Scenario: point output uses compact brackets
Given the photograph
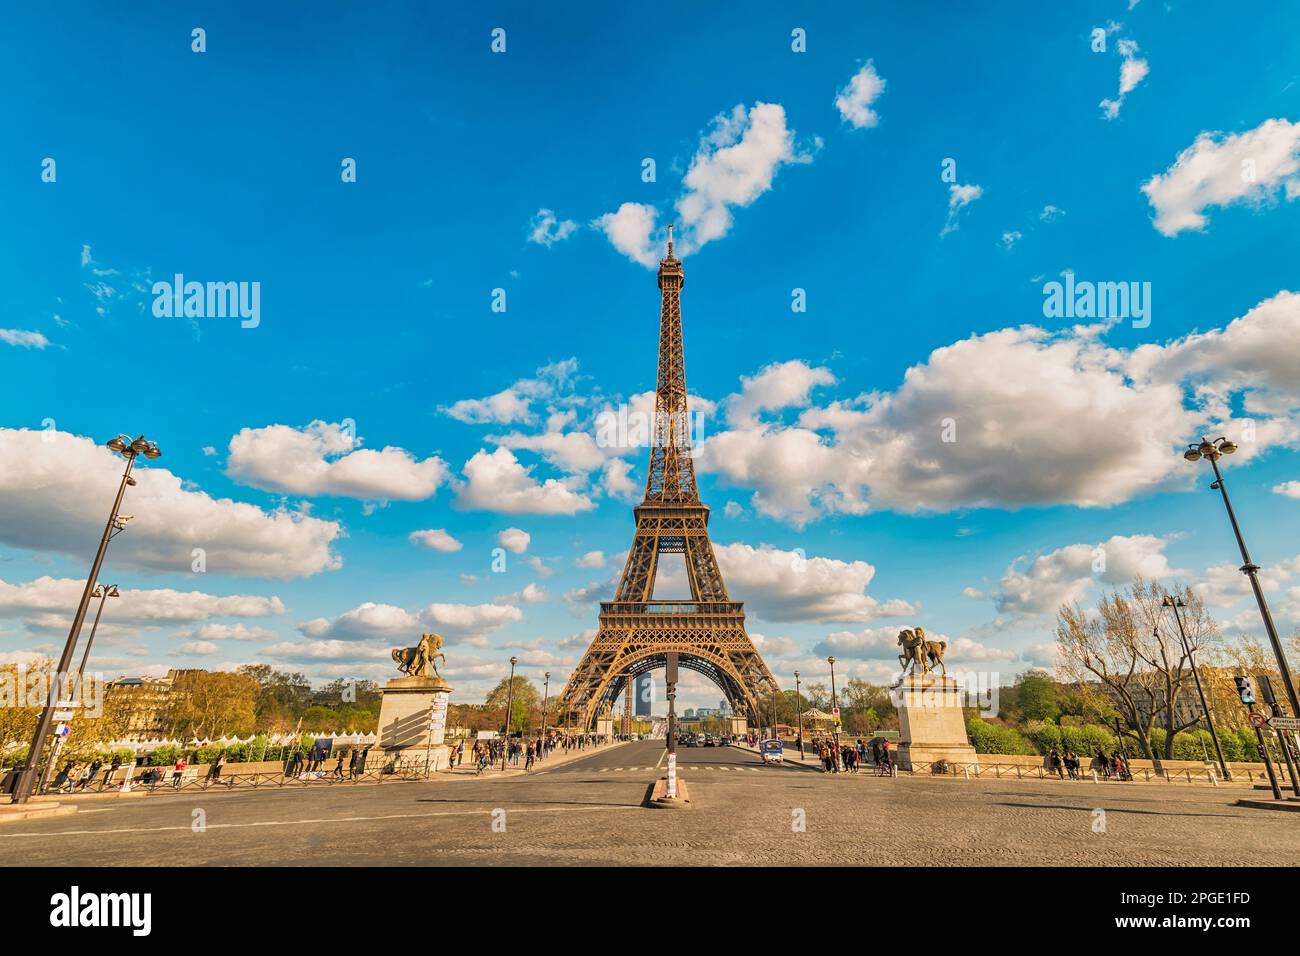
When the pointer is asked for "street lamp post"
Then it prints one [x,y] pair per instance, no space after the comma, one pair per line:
[835,708]
[798,703]
[775,735]
[510,703]
[1212,451]
[129,450]
[1175,603]
[546,694]
[103,593]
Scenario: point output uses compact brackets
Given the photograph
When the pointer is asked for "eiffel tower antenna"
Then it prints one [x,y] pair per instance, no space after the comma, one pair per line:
[636,630]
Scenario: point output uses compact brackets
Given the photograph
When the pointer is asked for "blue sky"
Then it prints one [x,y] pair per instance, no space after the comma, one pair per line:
[840,513]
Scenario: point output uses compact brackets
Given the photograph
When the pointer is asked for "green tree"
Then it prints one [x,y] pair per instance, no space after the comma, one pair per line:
[525,700]
[1036,696]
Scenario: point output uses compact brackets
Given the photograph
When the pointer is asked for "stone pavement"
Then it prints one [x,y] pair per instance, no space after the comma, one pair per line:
[591,813]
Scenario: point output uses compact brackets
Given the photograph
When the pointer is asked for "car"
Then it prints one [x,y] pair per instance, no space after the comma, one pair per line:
[709,741]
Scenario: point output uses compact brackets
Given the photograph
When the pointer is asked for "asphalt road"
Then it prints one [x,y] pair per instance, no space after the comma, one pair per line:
[648,759]
[590,811]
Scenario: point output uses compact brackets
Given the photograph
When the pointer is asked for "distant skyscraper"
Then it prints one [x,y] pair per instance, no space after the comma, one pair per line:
[645,694]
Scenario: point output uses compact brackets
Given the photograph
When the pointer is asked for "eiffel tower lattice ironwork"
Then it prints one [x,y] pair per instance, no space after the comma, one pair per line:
[636,631]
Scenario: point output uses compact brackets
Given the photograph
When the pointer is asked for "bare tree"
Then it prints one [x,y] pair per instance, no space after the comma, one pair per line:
[1125,655]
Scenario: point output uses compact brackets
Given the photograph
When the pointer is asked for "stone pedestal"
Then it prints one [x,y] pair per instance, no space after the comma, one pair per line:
[931,722]
[738,726]
[412,721]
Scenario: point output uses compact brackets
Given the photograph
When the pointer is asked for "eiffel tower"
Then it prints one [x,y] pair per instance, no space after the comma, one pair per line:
[636,631]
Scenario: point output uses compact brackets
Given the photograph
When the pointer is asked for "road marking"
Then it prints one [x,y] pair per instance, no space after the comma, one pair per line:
[294,823]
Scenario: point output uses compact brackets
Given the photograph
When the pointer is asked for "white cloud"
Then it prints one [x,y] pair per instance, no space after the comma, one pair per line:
[785,586]
[616,480]
[1291,489]
[629,230]
[141,606]
[735,163]
[1025,416]
[27,340]
[1065,575]
[592,559]
[547,230]
[458,623]
[514,540]
[1132,71]
[776,386]
[531,594]
[514,404]
[436,539]
[498,482]
[324,458]
[574,452]
[1218,170]
[229,632]
[1010,238]
[959,197]
[47,479]
[855,99]
[200,648]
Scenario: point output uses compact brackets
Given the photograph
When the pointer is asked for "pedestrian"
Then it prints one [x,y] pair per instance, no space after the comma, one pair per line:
[178,771]
[112,768]
[61,780]
[361,764]
[352,765]
[338,767]
[528,763]
[214,771]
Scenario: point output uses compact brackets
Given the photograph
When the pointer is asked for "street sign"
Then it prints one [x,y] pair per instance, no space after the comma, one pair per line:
[835,711]
[63,715]
[1284,723]
[1257,720]
[61,730]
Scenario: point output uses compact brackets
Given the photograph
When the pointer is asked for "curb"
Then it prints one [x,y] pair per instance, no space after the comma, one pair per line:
[25,811]
[656,796]
[1288,804]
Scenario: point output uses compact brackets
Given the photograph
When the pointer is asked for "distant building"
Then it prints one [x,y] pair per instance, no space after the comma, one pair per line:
[145,702]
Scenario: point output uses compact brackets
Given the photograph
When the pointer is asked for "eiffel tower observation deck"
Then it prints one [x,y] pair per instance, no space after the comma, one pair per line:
[636,630]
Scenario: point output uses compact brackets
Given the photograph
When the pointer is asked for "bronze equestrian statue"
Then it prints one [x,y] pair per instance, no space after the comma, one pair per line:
[924,655]
[418,661]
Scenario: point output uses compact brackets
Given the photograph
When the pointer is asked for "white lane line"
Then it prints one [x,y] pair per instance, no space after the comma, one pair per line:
[295,823]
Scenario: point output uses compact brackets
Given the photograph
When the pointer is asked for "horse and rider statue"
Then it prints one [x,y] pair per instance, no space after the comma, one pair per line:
[922,653]
[418,661]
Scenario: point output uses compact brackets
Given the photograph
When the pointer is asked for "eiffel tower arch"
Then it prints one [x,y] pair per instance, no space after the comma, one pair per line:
[636,631]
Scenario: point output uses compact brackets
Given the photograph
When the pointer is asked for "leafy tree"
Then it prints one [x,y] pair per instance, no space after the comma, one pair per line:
[213,704]
[1036,696]
[525,700]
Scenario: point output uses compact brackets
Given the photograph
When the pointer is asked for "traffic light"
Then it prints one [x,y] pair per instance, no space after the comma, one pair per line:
[1266,690]
[1245,690]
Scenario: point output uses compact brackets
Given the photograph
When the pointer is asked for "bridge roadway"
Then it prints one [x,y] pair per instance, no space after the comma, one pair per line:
[589,811]
[645,758]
